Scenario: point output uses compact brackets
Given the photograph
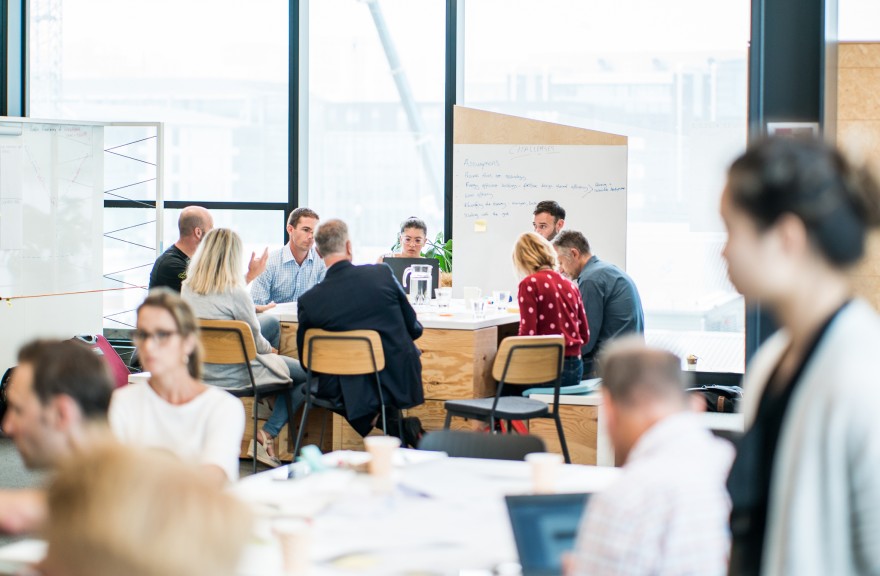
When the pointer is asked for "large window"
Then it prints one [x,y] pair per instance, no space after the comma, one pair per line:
[374,101]
[216,73]
[672,76]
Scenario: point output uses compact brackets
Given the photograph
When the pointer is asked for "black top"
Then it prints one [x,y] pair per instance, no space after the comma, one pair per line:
[752,470]
[169,269]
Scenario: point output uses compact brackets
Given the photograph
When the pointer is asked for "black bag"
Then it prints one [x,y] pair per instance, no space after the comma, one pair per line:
[720,398]
[4,382]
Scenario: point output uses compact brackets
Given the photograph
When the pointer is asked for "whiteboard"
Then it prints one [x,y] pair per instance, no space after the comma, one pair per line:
[495,188]
[51,206]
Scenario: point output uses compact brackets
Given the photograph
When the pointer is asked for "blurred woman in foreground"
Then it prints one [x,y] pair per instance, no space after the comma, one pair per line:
[805,486]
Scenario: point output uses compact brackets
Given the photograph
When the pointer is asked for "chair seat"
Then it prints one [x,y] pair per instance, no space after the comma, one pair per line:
[262,390]
[509,408]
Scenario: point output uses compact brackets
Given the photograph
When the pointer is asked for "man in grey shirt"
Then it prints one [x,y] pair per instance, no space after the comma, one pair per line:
[611,299]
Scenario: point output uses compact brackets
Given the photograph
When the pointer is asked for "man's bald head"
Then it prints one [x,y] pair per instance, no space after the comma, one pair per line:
[194,222]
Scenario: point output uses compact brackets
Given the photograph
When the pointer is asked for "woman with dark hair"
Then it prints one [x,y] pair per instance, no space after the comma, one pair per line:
[413,237]
[805,486]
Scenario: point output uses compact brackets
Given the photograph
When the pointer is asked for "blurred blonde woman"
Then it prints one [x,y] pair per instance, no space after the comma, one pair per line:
[175,410]
[118,512]
[548,303]
[215,289]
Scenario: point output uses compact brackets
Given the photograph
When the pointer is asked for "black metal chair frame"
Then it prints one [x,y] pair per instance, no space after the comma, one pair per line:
[257,392]
[554,415]
[312,399]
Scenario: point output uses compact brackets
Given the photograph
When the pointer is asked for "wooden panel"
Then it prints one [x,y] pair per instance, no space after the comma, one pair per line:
[857,97]
[480,127]
[457,364]
[345,437]
[433,415]
[282,449]
[287,347]
[580,423]
[858,55]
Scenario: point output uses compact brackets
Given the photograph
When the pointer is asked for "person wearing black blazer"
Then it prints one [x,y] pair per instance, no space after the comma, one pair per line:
[364,297]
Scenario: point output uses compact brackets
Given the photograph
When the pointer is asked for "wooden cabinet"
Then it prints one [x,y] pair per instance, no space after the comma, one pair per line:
[581,426]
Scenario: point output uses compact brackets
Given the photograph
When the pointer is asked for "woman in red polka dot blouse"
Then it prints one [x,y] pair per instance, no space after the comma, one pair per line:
[550,304]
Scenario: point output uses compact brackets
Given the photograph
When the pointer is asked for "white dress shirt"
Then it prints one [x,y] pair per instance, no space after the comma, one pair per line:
[668,512]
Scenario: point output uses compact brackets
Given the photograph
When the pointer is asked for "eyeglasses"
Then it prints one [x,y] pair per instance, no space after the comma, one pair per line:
[408,240]
[160,337]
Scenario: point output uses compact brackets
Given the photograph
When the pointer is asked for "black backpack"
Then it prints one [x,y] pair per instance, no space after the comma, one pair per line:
[4,382]
[720,398]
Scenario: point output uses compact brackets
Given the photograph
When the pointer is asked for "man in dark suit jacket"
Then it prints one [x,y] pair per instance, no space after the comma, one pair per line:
[363,298]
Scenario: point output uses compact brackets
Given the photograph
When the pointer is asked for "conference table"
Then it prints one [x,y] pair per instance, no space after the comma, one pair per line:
[442,516]
[457,355]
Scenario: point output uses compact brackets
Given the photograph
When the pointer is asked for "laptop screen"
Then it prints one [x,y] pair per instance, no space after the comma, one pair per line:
[545,527]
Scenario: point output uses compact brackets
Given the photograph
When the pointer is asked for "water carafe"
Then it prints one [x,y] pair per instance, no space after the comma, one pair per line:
[419,283]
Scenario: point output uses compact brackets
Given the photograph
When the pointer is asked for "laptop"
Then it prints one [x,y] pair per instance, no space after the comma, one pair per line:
[545,528]
[398,265]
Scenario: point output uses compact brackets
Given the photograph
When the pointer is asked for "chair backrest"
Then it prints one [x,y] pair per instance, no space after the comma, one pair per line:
[533,359]
[481,445]
[343,353]
[227,341]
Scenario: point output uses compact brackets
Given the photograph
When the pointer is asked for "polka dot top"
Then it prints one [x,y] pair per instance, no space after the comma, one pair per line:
[550,304]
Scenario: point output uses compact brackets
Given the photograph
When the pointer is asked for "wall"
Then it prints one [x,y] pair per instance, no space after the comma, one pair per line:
[858,133]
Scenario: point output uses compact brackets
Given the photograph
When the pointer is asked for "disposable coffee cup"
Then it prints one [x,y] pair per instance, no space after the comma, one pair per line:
[545,469]
[381,450]
[295,540]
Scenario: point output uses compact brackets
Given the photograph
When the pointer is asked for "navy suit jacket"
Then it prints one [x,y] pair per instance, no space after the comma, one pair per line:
[366,298]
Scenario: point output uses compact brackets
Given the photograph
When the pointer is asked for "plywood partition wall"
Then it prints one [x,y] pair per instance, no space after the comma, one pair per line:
[504,165]
[858,134]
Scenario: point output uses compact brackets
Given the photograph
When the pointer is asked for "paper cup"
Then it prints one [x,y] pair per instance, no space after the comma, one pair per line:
[295,539]
[381,450]
[545,469]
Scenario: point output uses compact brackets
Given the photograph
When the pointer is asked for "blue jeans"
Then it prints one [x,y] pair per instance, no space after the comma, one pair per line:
[279,415]
[572,370]
[270,328]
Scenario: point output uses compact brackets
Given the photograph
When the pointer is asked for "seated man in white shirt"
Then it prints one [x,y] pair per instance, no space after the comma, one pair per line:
[57,402]
[668,512]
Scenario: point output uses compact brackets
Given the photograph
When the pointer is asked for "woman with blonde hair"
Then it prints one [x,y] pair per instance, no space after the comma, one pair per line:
[550,304]
[215,289]
[115,511]
[174,410]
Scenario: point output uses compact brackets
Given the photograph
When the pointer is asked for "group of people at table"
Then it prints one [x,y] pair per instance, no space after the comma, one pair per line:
[801,495]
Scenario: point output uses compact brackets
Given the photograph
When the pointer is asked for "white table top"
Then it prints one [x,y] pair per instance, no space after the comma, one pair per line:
[457,318]
[444,516]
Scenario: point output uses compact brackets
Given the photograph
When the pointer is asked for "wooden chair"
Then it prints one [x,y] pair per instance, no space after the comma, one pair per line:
[232,342]
[528,360]
[349,353]
[462,444]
